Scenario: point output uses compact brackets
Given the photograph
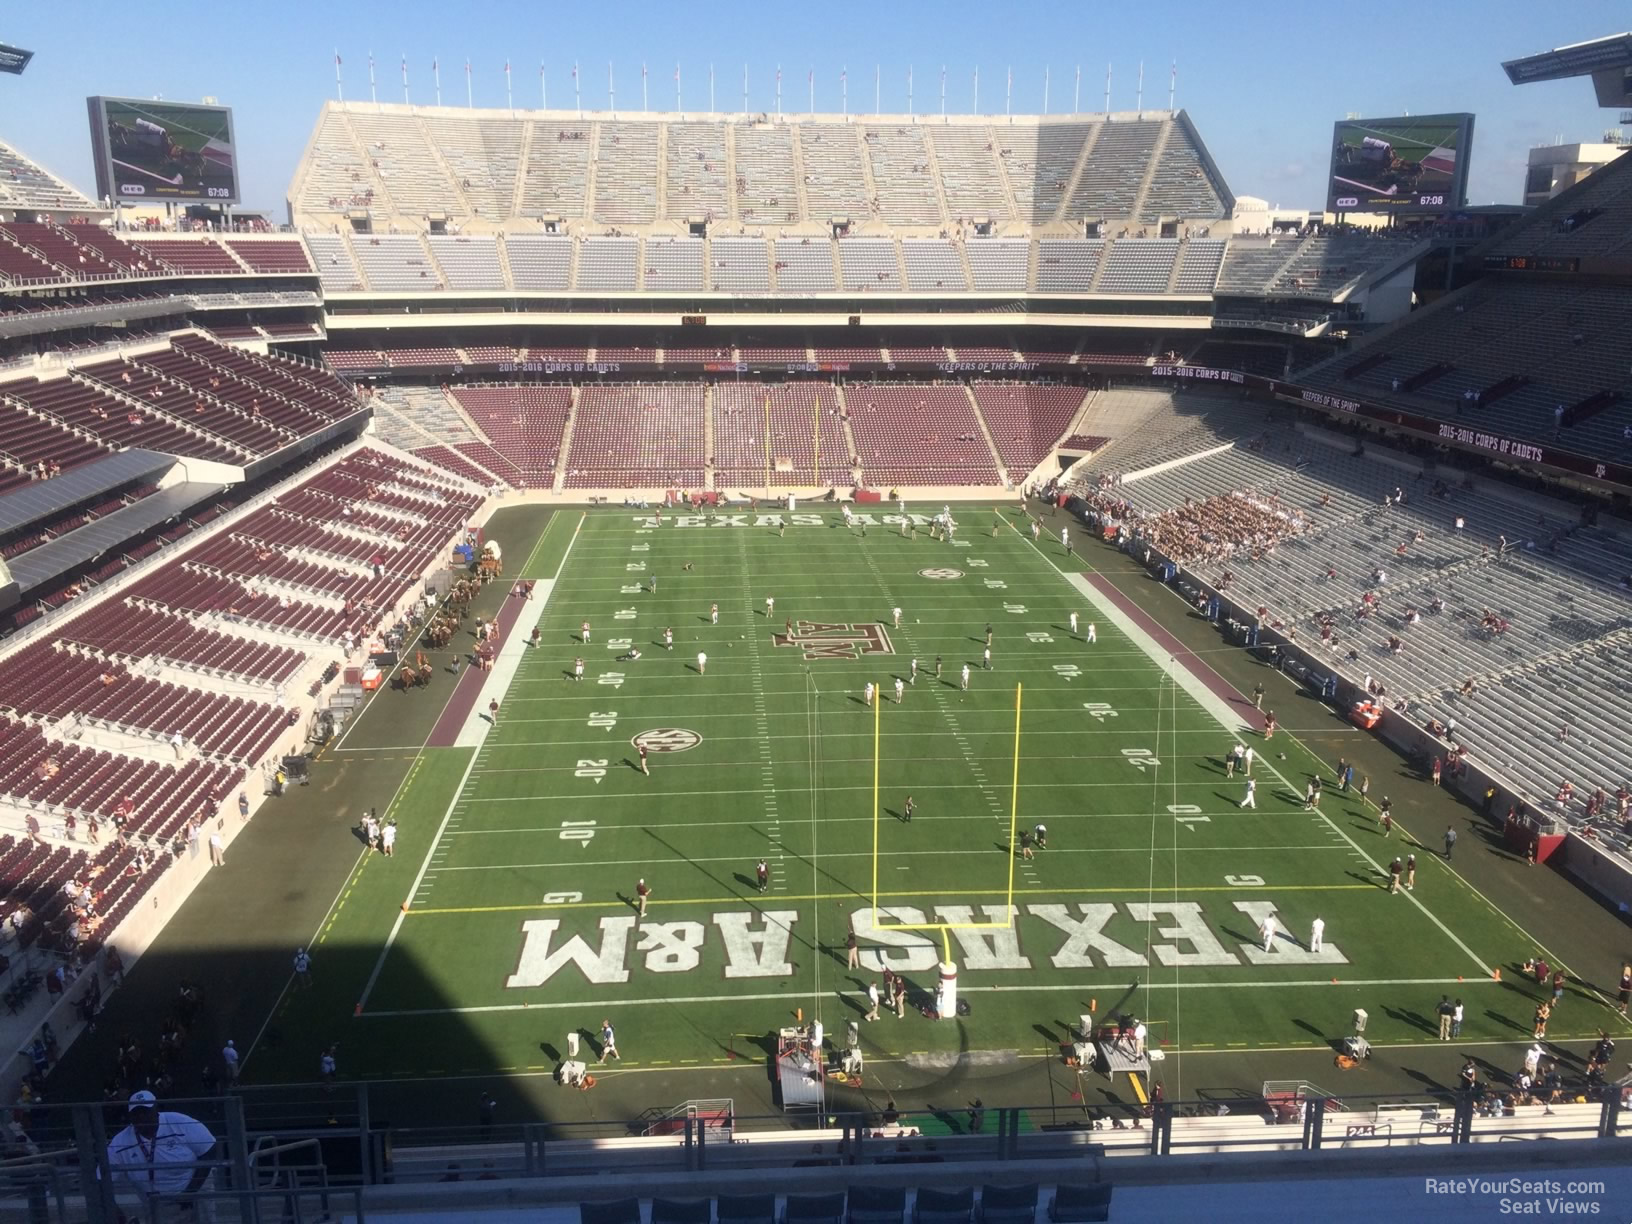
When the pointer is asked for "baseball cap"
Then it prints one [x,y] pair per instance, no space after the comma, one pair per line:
[143,1100]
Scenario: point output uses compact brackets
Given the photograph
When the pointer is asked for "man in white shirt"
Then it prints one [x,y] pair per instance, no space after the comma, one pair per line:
[159,1152]
[1268,931]
[229,1055]
[702,662]
[1317,934]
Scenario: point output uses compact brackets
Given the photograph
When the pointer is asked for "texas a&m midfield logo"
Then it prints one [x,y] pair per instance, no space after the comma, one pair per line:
[824,641]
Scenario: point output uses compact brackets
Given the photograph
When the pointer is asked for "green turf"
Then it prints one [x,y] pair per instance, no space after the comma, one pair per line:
[552,825]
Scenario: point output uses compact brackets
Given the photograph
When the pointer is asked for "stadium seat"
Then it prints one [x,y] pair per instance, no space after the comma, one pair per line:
[1080,1204]
[615,1211]
[812,1209]
[682,1211]
[877,1205]
[748,1209]
[1008,1204]
[932,1206]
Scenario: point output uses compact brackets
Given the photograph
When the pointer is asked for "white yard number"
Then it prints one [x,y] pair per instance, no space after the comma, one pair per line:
[1140,758]
[1070,671]
[587,769]
[1015,609]
[640,548]
[996,584]
[624,614]
[619,643]
[635,566]
[562,898]
[631,588]
[1244,881]
[1188,814]
[960,543]
[615,679]
[579,831]
[603,718]
[976,563]
[1039,637]
[1099,710]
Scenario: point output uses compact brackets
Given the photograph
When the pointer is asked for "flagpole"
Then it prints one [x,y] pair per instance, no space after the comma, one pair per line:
[977,89]
[405,101]
[339,86]
[1008,93]
[909,90]
[1107,89]
[1139,91]
[844,91]
[810,79]
[1045,89]
[677,105]
[470,97]
[373,94]
[577,97]
[711,87]
[543,88]
[779,91]
[943,91]
[509,96]
[611,92]
[1076,94]
[1172,86]
[643,105]
[436,75]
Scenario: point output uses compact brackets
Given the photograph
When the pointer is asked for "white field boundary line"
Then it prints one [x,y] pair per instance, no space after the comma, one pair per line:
[317,935]
[425,866]
[737,858]
[1231,722]
[402,659]
[1557,961]
[1096,987]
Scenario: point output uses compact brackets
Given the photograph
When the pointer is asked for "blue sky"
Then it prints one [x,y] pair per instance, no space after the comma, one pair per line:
[1264,88]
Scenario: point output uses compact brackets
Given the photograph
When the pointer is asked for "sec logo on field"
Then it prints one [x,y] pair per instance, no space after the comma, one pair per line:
[941,575]
[667,739]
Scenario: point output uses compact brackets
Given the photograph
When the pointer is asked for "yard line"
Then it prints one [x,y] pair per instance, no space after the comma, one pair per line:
[833,854]
[1227,719]
[1065,988]
[458,799]
[642,822]
[737,899]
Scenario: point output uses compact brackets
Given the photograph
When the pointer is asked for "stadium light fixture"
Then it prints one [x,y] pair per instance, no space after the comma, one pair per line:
[14,59]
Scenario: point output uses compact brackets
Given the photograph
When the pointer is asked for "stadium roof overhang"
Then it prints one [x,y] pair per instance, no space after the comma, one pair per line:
[45,499]
[106,535]
[1608,61]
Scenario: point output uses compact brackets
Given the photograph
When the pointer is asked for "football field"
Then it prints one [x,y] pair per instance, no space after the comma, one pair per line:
[521,852]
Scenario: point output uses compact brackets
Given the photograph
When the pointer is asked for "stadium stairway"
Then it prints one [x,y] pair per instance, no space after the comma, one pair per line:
[708,437]
[844,425]
[1160,148]
[1077,171]
[566,444]
[986,432]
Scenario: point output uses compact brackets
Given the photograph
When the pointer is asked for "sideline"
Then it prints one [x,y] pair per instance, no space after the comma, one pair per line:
[459,792]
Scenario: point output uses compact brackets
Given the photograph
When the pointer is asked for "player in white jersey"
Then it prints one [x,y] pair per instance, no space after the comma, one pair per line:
[578,669]
[965,684]
[668,639]
[913,679]
[702,662]
[1092,635]
[867,694]
[900,689]
[896,613]
[1073,624]
[714,614]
